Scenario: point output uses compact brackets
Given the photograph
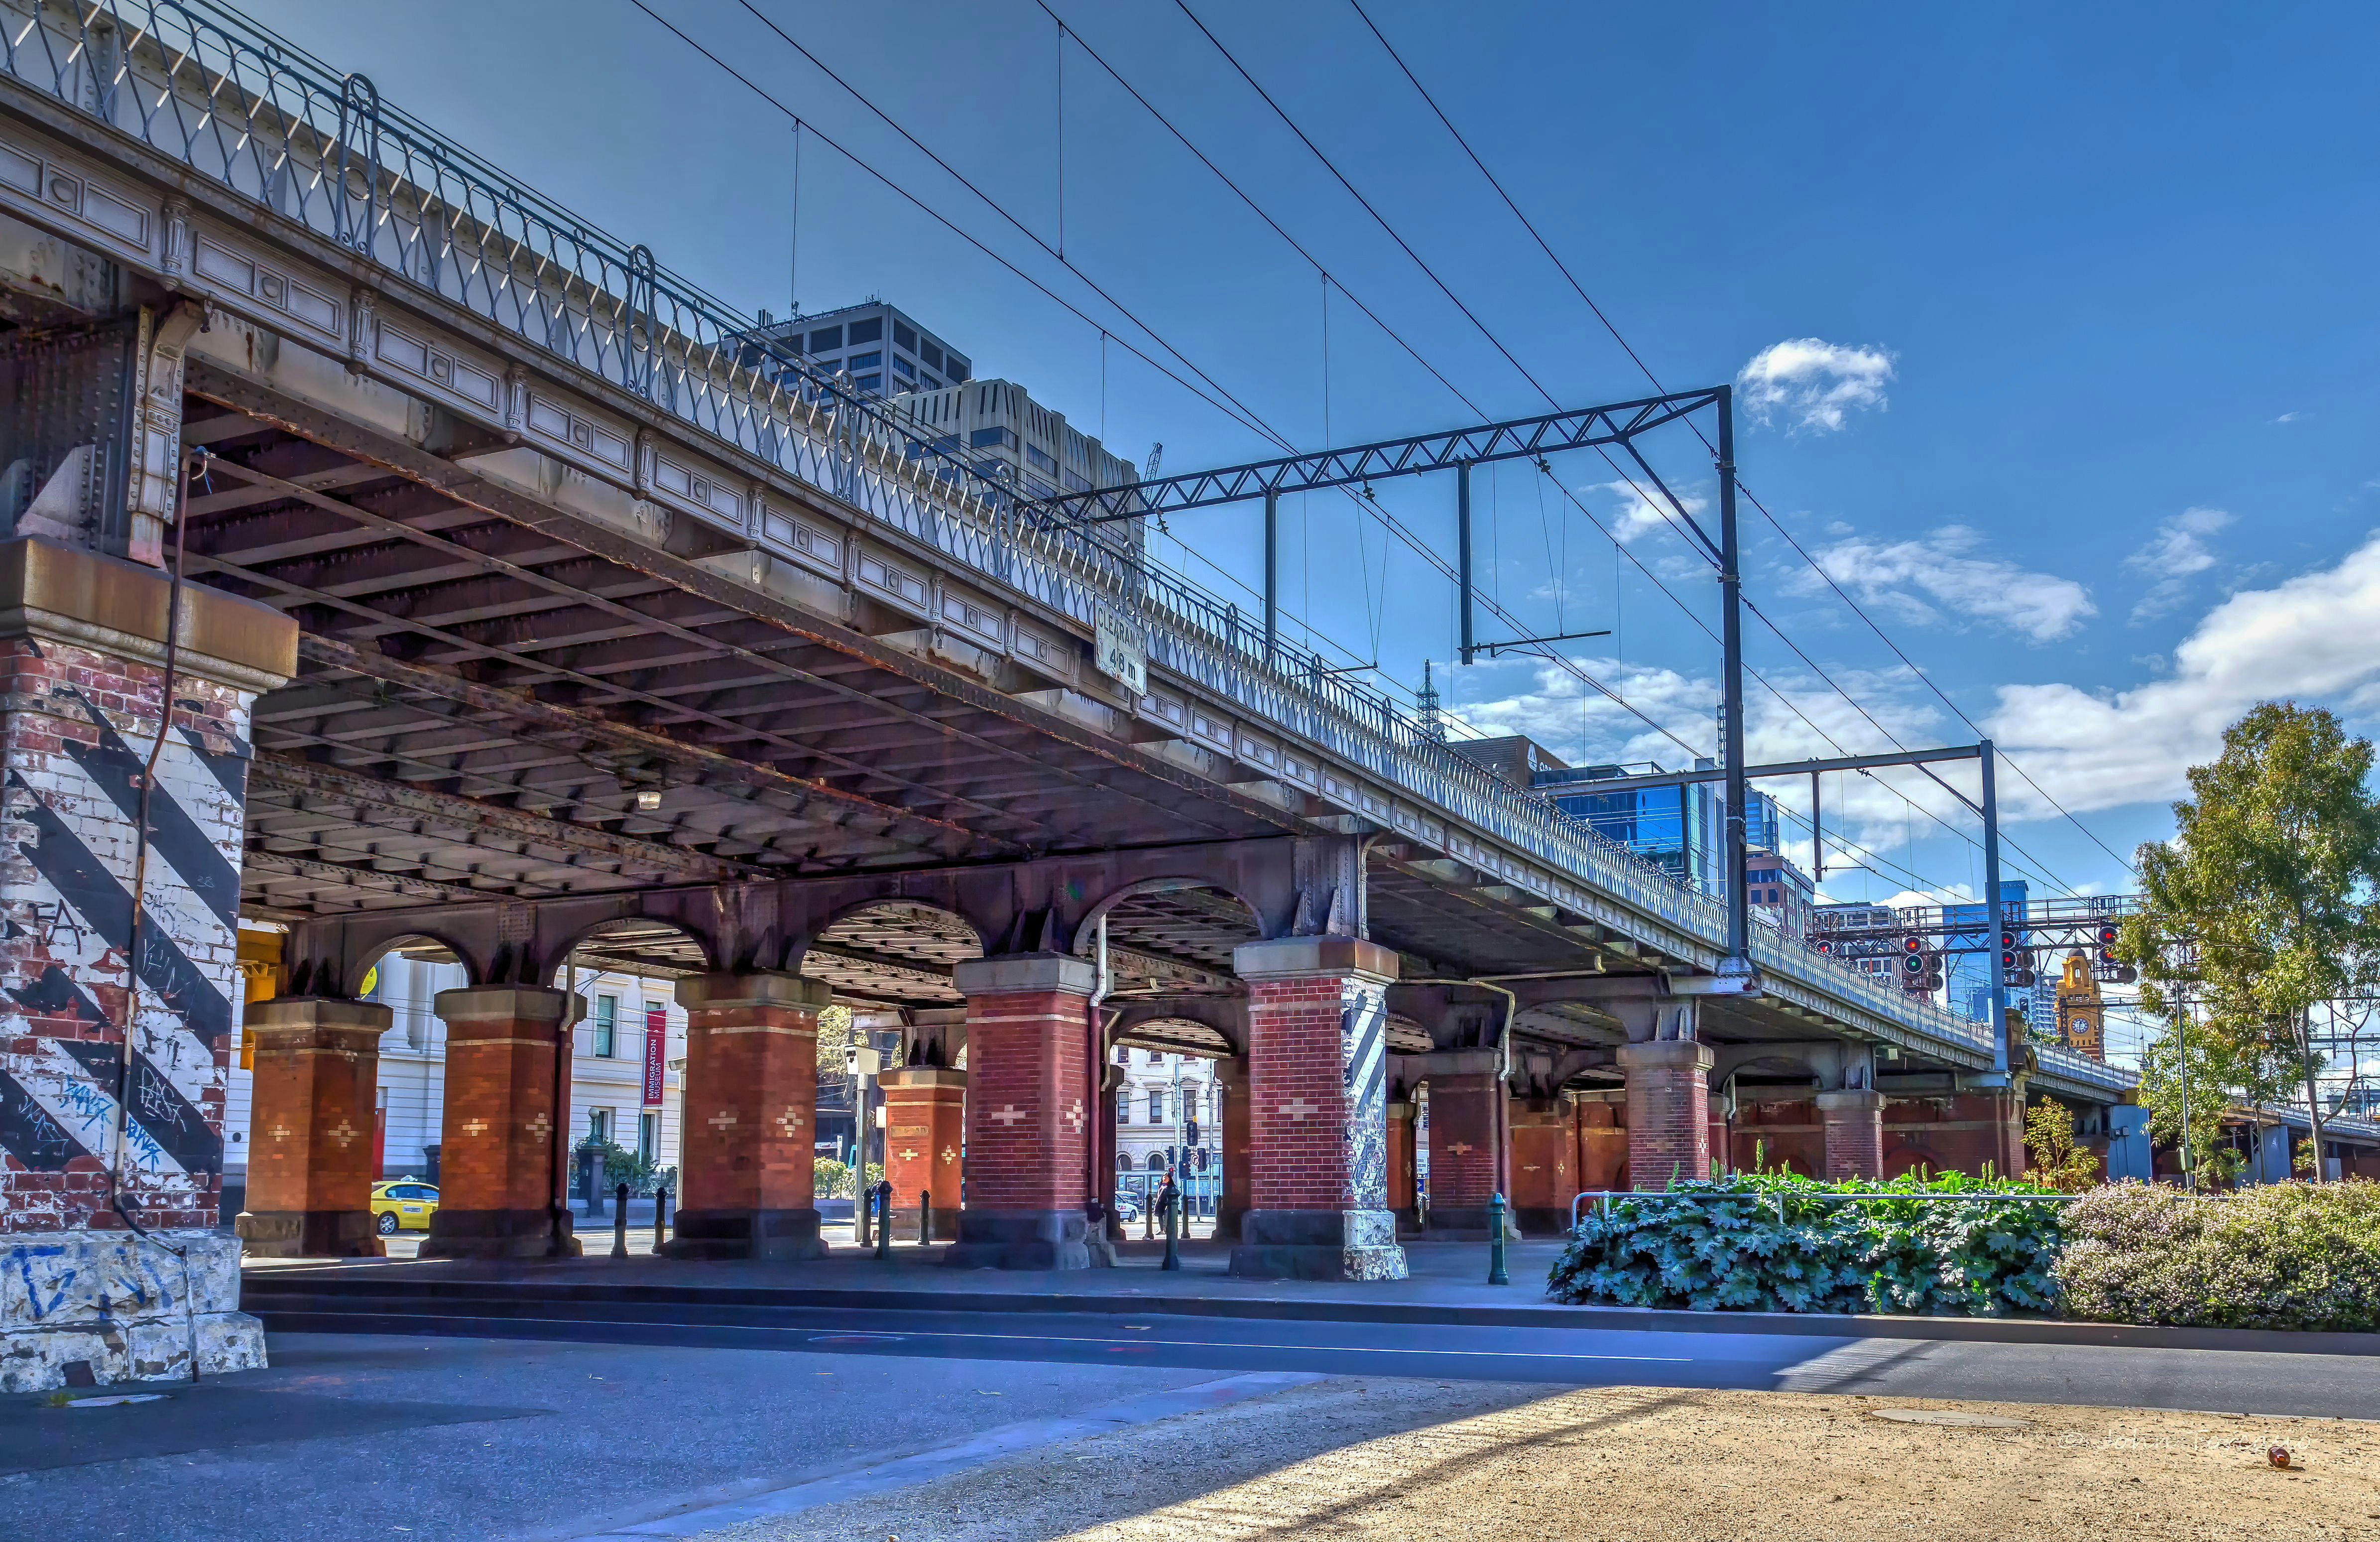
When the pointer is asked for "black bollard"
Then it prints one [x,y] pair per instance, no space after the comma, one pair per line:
[1170,1200]
[661,1218]
[884,1221]
[861,1200]
[1496,1275]
[925,1218]
[619,1220]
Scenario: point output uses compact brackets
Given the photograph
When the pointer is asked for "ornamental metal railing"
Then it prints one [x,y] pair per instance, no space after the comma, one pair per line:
[266,122]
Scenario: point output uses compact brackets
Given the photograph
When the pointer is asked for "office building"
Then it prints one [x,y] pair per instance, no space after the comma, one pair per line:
[883,348]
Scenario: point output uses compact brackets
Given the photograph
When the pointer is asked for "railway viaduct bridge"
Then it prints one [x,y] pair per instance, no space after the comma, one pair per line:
[526,609]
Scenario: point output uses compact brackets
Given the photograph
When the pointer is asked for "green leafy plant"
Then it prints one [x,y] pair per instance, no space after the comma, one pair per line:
[2275,1255]
[1778,1242]
[832,1179]
[2057,1162]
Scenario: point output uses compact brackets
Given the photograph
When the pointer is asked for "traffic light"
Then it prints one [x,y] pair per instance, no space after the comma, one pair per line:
[2108,934]
[1190,1131]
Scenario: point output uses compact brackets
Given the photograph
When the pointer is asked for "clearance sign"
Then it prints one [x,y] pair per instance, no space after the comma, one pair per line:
[656,1049]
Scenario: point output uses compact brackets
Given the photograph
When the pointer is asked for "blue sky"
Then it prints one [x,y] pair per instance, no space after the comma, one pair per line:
[2062,318]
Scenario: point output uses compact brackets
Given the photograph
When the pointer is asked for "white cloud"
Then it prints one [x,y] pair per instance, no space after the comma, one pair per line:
[2314,639]
[2175,554]
[2289,417]
[1812,382]
[1642,510]
[1920,580]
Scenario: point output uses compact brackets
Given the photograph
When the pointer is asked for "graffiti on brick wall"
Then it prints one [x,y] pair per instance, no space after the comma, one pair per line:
[1364,1057]
[71,798]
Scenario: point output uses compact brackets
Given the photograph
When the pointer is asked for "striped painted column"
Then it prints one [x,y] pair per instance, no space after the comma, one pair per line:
[1318,1111]
[114,1051]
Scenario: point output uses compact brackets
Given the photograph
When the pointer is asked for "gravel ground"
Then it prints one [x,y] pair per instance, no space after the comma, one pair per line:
[1396,1459]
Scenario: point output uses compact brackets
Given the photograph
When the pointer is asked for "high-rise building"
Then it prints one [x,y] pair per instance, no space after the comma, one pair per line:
[883,348]
[1013,439]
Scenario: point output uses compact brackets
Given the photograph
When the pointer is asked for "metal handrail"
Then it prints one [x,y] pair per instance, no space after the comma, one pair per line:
[263,120]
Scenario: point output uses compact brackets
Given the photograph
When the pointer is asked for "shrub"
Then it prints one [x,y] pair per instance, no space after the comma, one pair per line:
[1721,1245]
[832,1179]
[2283,1255]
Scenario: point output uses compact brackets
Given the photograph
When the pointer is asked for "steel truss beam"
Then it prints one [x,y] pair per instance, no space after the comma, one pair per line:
[1521,439]
[473,816]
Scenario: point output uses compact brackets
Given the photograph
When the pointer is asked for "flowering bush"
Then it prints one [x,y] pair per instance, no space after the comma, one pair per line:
[1777,1242]
[2288,1256]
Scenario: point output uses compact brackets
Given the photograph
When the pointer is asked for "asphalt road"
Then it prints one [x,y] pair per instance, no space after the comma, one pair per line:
[2210,1380]
[607,1427]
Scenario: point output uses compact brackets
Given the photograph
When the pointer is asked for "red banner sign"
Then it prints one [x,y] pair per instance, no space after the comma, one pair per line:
[656,1053]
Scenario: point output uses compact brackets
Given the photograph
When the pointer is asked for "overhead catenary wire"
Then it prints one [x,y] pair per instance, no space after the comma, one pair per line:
[1627,348]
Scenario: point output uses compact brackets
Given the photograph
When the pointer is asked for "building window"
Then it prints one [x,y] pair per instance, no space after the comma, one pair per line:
[870,331]
[1157,1105]
[607,1022]
[1123,1161]
[1075,482]
[1040,458]
[872,358]
[904,337]
[648,1136]
[1124,1105]
[1157,1161]
[870,383]
[901,368]
[956,368]
[598,1126]
[986,438]
[931,354]
[826,339]
[929,383]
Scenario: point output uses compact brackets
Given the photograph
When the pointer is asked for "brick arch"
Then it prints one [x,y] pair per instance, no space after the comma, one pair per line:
[682,944]
[1910,1158]
[1086,930]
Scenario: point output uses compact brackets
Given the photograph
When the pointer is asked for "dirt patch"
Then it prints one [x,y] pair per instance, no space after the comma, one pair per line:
[1366,1458]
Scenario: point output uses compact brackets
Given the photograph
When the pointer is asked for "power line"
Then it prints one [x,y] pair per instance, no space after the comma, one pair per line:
[1564,268]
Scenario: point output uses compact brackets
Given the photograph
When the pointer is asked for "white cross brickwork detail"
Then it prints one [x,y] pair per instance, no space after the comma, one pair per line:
[1008,1115]
[282,1132]
[1074,1117]
[343,1135]
[541,1126]
[907,1155]
[720,1121]
[475,1127]
[1460,1148]
[1530,1167]
[790,1122]
[1299,1108]
[948,1155]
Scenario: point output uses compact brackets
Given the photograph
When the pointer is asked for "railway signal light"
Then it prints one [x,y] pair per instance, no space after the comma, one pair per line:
[2108,937]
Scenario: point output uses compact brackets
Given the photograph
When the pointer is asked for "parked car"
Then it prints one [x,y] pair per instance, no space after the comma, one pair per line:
[1127,1207]
[403,1205]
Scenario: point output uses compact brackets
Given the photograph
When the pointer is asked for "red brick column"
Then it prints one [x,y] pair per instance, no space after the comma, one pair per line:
[1402,1172]
[1467,1104]
[1669,1111]
[310,1163]
[1855,1132]
[924,1131]
[1723,1157]
[1602,1141]
[750,1121]
[1233,1140]
[1111,1081]
[1028,1113]
[1318,1111]
[495,1169]
[1544,1175]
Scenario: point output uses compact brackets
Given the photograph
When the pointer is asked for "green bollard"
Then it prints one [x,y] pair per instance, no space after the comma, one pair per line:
[884,1222]
[925,1218]
[660,1219]
[619,1220]
[1496,1275]
[1170,1201]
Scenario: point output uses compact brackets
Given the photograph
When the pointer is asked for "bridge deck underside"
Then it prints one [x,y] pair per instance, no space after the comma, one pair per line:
[486,710]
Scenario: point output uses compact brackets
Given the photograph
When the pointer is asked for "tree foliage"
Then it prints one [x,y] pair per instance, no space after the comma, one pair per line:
[2266,901]
[2057,1162]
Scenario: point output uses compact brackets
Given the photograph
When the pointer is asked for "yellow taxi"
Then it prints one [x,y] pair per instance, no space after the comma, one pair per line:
[403,1205]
